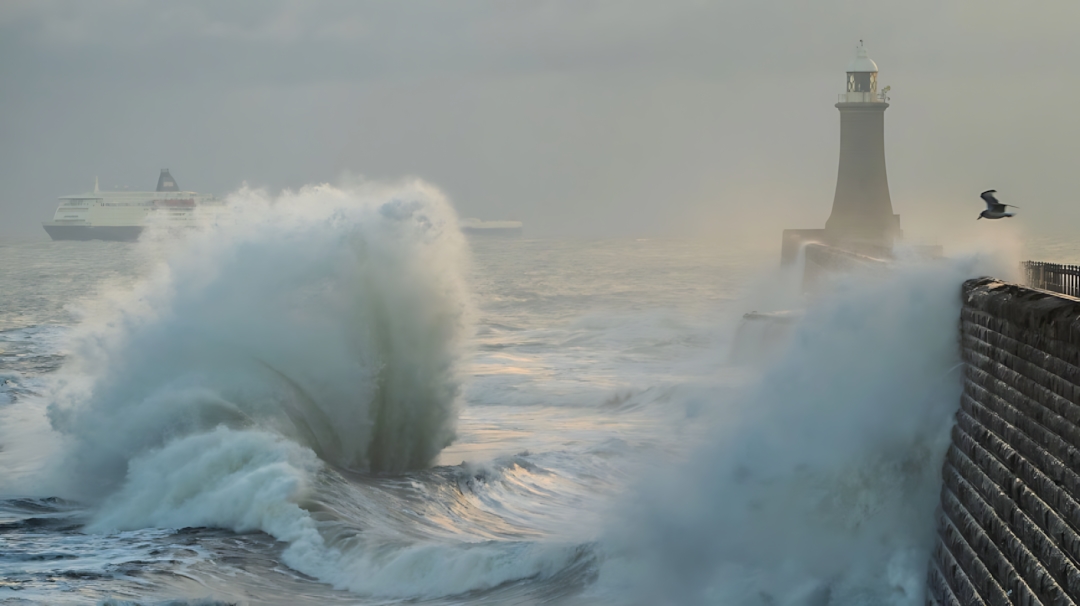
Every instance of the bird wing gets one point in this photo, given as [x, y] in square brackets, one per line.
[991, 201]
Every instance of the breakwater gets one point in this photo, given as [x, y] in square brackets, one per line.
[1010, 501]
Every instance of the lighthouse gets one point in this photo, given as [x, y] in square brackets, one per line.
[862, 219]
[862, 214]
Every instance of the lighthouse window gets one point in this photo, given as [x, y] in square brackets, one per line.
[862, 82]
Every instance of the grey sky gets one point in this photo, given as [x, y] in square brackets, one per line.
[579, 117]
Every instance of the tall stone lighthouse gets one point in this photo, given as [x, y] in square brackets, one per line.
[862, 218]
[862, 210]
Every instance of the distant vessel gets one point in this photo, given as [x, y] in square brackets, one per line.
[491, 228]
[122, 215]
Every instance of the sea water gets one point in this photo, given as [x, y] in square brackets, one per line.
[337, 398]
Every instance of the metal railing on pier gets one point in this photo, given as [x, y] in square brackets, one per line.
[1064, 279]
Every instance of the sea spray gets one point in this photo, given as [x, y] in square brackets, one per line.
[818, 486]
[322, 326]
[330, 316]
[313, 338]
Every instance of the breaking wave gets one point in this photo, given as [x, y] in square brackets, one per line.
[318, 332]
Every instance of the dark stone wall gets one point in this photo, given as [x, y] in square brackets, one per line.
[1010, 501]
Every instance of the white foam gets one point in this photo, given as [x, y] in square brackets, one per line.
[321, 326]
[819, 484]
[252, 480]
[241, 480]
[431, 570]
[331, 316]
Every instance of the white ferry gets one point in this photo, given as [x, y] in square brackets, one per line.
[122, 215]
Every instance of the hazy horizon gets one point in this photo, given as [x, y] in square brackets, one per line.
[578, 118]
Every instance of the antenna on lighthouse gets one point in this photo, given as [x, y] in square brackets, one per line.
[96, 190]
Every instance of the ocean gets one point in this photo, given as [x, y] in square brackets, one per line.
[337, 398]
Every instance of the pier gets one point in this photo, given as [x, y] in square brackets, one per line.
[1008, 527]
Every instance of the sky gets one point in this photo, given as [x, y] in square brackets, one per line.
[591, 118]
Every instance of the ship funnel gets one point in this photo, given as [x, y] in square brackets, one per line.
[165, 182]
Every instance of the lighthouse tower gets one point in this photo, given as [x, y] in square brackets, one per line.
[862, 214]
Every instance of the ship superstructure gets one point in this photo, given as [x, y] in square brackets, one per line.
[123, 215]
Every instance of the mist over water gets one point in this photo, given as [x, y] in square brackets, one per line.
[331, 399]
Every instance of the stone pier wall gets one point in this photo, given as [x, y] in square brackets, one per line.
[1010, 501]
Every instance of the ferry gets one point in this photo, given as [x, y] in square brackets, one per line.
[123, 215]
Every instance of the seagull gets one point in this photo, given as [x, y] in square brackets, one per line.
[994, 209]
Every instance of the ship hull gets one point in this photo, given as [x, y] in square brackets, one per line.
[116, 233]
